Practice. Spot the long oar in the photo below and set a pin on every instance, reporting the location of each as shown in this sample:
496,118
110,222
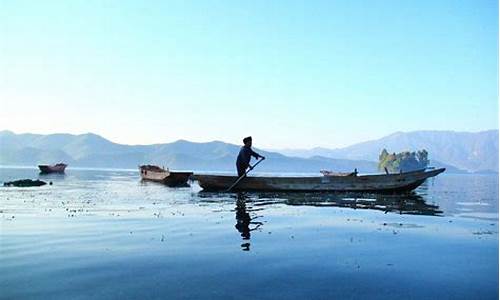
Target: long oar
242,176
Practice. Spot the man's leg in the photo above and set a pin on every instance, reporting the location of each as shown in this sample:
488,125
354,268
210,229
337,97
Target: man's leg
241,170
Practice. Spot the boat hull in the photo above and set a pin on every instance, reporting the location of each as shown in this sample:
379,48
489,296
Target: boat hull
173,179
46,169
384,183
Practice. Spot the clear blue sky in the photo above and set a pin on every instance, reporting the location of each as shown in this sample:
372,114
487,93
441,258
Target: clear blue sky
290,73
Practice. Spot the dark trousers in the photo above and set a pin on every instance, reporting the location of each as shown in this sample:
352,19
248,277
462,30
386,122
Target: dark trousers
241,170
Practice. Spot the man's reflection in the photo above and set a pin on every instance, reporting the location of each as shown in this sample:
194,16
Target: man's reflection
244,221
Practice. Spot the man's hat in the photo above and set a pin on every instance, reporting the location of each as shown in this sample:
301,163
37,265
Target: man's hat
247,139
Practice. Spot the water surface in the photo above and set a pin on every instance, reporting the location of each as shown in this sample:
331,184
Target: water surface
104,234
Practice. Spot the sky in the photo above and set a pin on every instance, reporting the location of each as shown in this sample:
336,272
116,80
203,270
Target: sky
293,74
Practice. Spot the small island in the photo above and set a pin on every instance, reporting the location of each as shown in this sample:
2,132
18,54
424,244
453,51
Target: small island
404,161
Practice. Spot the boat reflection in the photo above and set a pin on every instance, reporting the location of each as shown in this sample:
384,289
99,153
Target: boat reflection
411,204
52,175
248,204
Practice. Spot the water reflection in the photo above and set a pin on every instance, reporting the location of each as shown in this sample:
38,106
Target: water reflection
248,204
245,221
412,204
51,176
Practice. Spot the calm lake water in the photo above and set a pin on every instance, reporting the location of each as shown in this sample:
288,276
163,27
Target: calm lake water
104,234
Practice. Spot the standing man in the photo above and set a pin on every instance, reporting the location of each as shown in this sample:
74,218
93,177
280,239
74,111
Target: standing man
246,153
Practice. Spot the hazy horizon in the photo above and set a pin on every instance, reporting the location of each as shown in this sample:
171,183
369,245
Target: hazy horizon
291,74
256,145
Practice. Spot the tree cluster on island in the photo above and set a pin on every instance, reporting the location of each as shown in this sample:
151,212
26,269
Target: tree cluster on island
404,161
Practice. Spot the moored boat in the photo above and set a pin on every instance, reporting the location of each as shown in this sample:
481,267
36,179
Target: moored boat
57,168
165,176
380,183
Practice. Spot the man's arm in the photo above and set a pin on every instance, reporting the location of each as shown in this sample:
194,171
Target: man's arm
255,154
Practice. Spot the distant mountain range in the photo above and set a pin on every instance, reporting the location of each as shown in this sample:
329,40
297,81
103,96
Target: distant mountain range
473,152
458,151
91,150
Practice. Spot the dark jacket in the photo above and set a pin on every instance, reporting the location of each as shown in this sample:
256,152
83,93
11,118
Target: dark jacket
243,160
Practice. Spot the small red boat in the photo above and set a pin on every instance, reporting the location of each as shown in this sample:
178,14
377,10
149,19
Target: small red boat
57,168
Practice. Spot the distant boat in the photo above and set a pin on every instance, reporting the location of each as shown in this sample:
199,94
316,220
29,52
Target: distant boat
57,168
380,183
170,178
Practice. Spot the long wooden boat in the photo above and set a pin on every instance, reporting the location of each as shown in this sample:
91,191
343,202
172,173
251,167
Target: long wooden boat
165,176
57,168
380,183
